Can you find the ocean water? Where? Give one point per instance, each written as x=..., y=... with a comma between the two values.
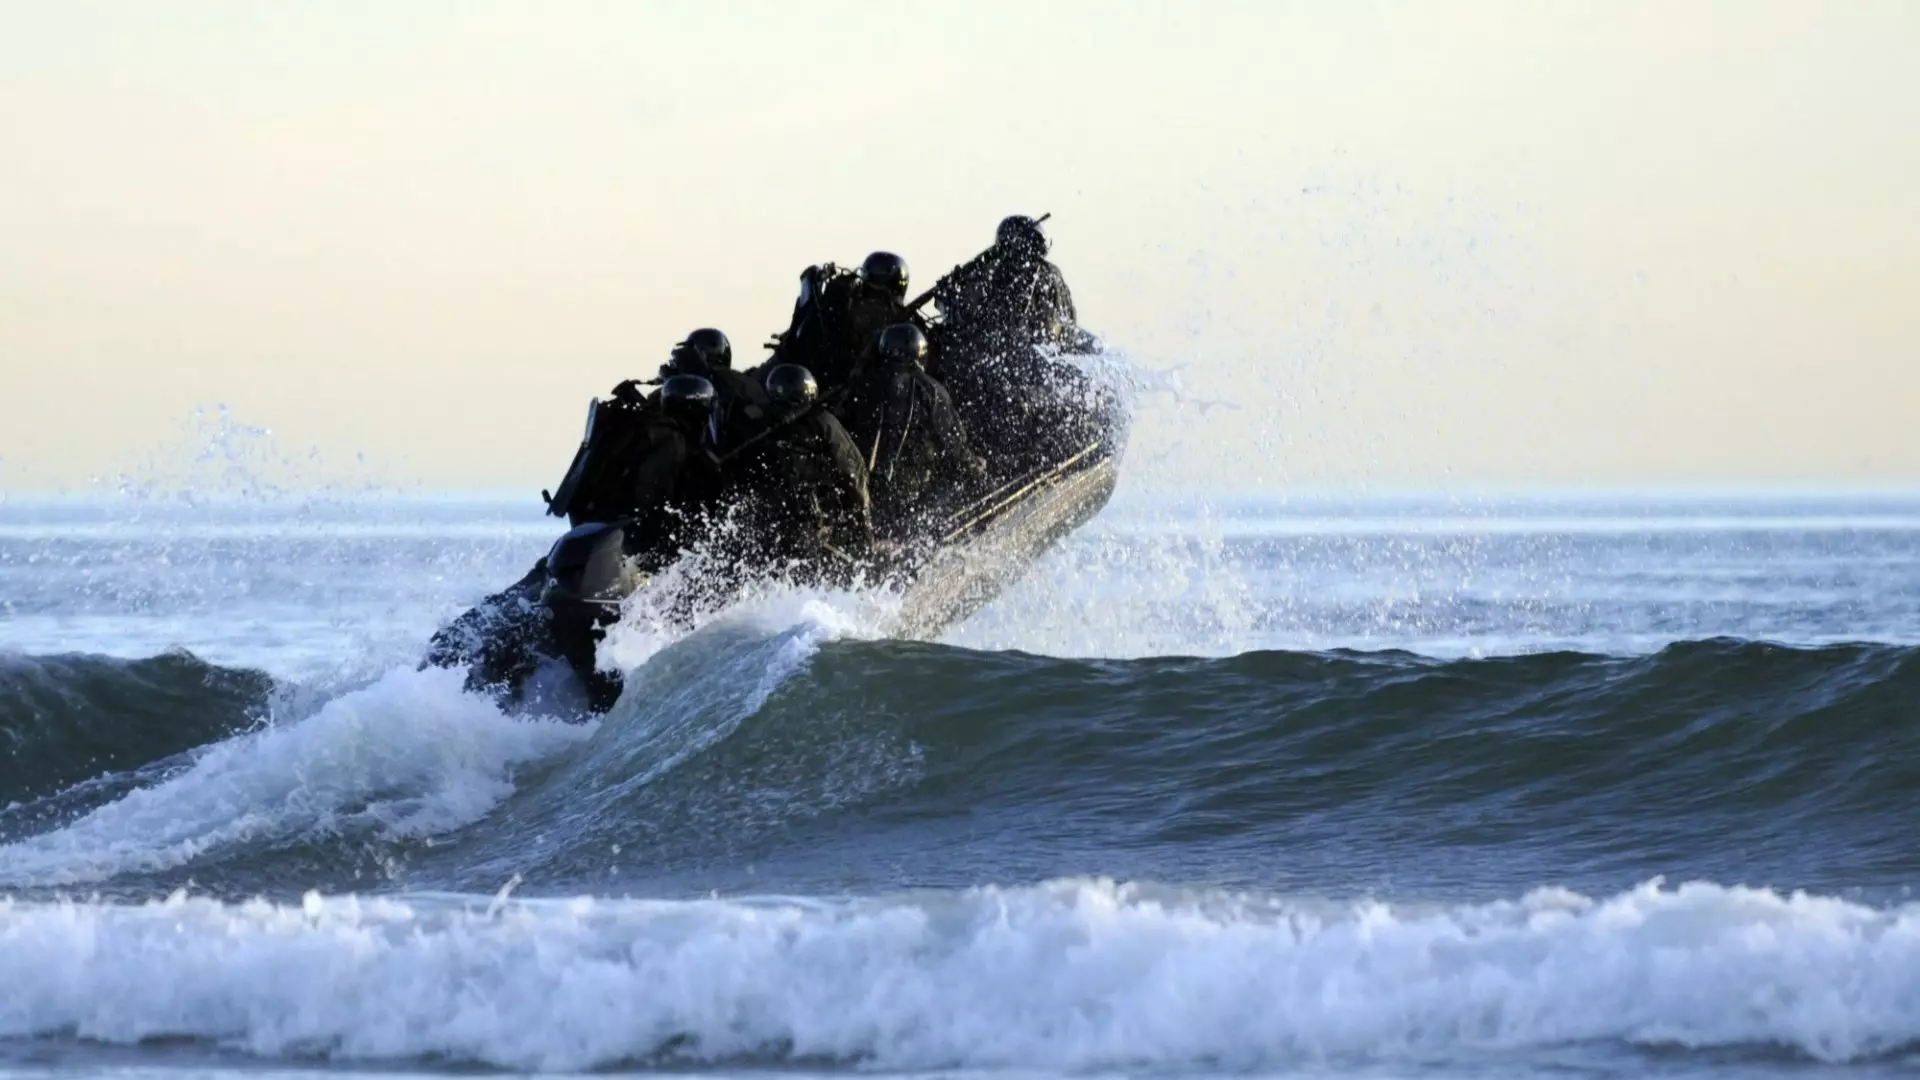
x=1229, y=785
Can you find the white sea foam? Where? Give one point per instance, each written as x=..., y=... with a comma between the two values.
x=410, y=755
x=686, y=692
x=1107, y=594
x=1074, y=974
x=808, y=616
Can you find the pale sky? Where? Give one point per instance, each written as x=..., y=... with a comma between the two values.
x=1438, y=245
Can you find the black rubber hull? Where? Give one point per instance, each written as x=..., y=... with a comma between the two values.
x=966, y=576
x=560, y=611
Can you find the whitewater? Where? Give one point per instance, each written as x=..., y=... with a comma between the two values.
x=1230, y=785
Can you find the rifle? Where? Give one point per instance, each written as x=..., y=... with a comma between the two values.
x=779, y=425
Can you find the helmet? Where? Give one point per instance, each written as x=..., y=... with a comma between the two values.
x=792, y=386
x=887, y=272
x=1022, y=234
x=687, y=397
x=903, y=343
x=704, y=350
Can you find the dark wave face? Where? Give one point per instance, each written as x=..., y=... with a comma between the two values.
x=742, y=757
x=888, y=763
x=64, y=719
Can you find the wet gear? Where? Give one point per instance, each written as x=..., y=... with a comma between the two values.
x=1007, y=319
x=740, y=401
x=688, y=397
x=790, y=386
x=903, y=343
x=708, y=349
x=915, y=447
x=802, y=486
x=837, y=320
x=885, y=273
x=1007, y=297
x=1022, y=235
x=649, y=462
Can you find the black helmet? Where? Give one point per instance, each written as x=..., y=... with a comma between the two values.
x=887, y=272
x=704, y=350
x=1022, y=234
x=903, y=343
x=792, y=386
x=687, y=397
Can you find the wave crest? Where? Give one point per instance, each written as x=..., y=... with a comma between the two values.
x=1072, y=975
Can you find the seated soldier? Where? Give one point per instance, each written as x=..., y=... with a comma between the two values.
x=919, y=464
x=799, y=485
x=839, y=316
x=739, y=401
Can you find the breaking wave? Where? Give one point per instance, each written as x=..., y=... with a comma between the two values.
x=64, y=719
x=1071, y=974
x=827, y=762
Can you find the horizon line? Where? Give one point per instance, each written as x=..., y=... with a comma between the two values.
x=1190, y=494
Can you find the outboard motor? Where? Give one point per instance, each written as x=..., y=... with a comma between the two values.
x=589, y=574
